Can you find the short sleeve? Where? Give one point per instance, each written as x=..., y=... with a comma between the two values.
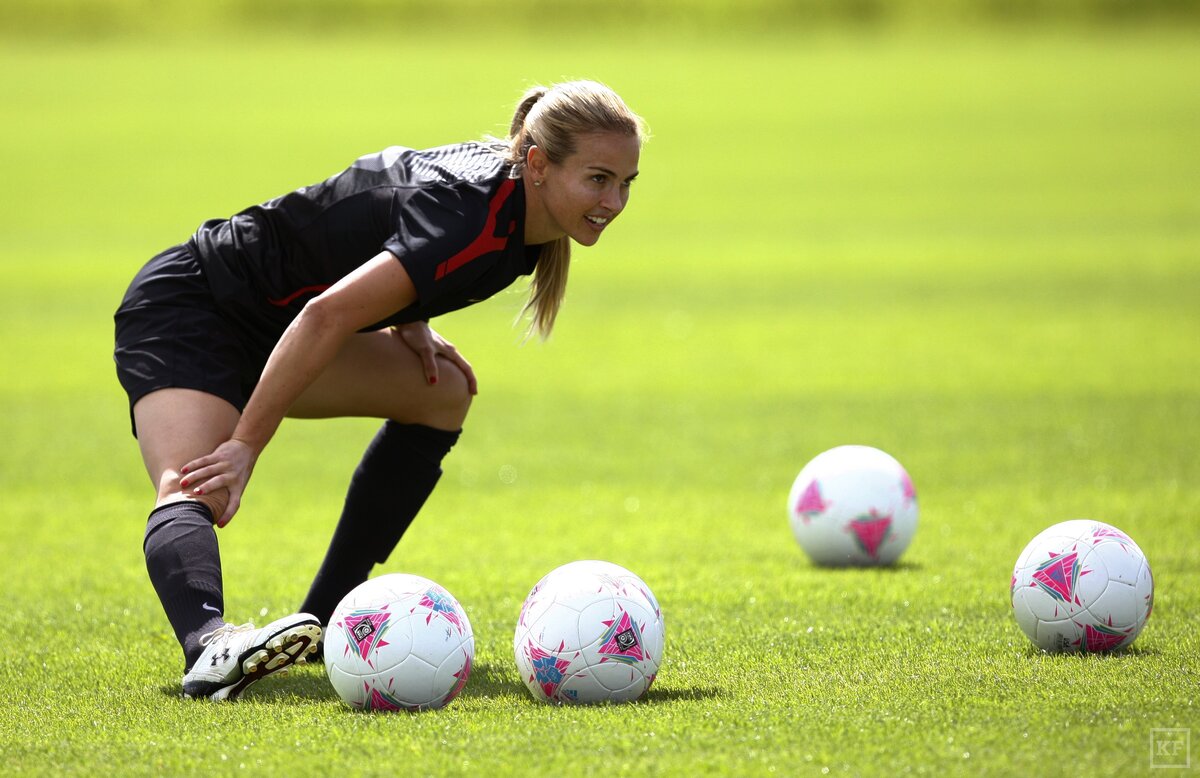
x=448, y=237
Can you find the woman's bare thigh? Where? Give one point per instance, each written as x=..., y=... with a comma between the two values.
x=176, y=426
x=377, y=375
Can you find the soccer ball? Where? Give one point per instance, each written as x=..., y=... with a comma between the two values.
x=589, y=632
x=853, y=505
x=398, y=642
x=1082, y=586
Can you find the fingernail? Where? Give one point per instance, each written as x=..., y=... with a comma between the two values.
x=432, y=379
x=183, y=483
x=184, y=471
x=198, y=491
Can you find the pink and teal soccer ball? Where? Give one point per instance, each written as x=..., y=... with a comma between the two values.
x=398, y=642
x=1082, y=586
x=589, y=632
x=853, y=505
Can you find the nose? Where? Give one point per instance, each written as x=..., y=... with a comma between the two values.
x=613, y=199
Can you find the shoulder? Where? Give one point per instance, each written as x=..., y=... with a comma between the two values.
x=471, y=162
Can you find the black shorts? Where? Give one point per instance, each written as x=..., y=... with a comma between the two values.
x=170, y=334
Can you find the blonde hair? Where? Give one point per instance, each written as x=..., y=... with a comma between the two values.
x=551, y=118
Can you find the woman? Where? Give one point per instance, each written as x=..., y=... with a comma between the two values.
x=315, y=305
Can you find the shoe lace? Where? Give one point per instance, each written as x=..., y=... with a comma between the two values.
x=224, y=632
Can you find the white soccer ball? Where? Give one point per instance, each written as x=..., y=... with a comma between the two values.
x=1082, y=586
x=398, y=642
x=853, y=505
x=589, y=632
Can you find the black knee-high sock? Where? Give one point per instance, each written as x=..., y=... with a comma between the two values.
x=395, y=477
x=184, y=563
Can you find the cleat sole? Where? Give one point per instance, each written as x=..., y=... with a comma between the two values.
x=290, y=646
x=280, y=653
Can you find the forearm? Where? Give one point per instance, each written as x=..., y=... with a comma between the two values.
x=308, y=345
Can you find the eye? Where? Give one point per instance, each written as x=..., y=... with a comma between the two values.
x=599, y=178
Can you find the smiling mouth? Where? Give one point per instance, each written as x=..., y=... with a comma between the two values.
x=599, y=221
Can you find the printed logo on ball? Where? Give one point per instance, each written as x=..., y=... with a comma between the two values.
x=363, y=630
x=621, y=642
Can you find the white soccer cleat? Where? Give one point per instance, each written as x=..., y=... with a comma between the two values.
x=236, y=656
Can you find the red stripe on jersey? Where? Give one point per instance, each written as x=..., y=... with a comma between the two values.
x=486, y=241
x=284, y=301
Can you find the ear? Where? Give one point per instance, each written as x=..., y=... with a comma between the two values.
x=535, y=162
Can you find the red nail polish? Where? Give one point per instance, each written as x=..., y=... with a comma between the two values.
x=183, y=483
x=433, y=379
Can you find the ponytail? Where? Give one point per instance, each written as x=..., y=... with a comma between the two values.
x=548, y=288
x=527, y=100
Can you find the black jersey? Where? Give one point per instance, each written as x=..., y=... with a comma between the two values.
x=452, y=215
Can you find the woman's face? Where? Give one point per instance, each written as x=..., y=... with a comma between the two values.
x=581, y=196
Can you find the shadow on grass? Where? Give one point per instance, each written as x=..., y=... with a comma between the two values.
x=897, y=567
x=488, y=679
x=687, y=693
x=1129, y=653
x=495, y=679
x=305, y=683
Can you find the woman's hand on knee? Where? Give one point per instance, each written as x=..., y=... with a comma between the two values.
x=228, y=467
x=428, y=345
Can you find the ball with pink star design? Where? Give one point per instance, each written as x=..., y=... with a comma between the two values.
x=589, y=632
x=1082, y=585
x=399, y=642
x=853, y=505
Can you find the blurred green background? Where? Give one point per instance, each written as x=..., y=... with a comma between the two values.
x=106, y=17
x=967, y=233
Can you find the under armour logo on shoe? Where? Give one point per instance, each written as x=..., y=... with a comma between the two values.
x=223, y=656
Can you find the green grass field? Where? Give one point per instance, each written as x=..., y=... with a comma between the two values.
x=979, y=252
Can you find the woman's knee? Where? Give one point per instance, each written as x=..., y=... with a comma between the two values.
x=168, y=492
x=450, y=399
